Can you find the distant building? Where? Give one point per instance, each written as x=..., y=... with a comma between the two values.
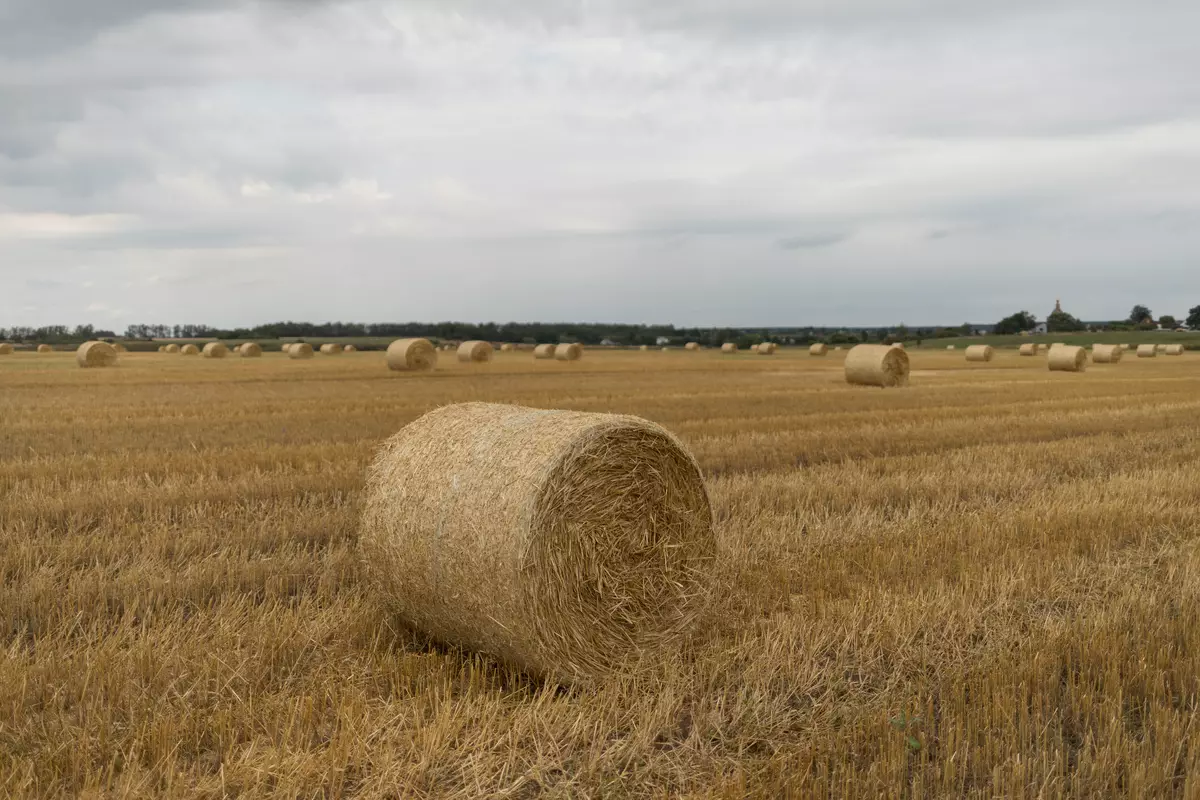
x=662, y=341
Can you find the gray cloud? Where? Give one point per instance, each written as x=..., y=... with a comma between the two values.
x=809, y=241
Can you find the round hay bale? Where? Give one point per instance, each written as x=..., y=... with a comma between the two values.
x=120, y=348
x=1173, y=350
x=214, y=350
x=1067, y=358
x=558, y=541
x=172, y=348
x=506, y=348
x=729, y=347
x=45, y=348
x=411, y=355
x=644, y=348
x=767, y=349
x=665, y=349
x=237, y=348
x=692, y=346
x=189, y=350
x=1041, y=348
x=568, y=352
x=300, y=351
x=330, y=349
x=162, y=348
x=543, y=351
x=951, y=347
x=1106, y=353
x=475, y=352
x=350, y=349
x=898, y=345
x=1160, y=348
x=1124, y=347
x=250, y=350
x=96, y=354
x=6, y=349
x=837, y=349
x=980, y=352
x=1029, y=350
x=877, y=365
x=1146, y=351
x=753, y=348
x=818, y=349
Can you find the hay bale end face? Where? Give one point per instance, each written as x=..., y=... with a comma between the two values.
x=543, y=351
x=411, y=355
x=96, y=354
x=1173, y=350
x=6, y=349
x=568, y=352
x=45, y=348
x=475, y=352
x=300, y=351
x=877, y=365
x=818, y=349
x=173, y=348
x=1106, y=353
x=215, y=350
x=980, y=352
x=250, y=350
x=729, y=347
x=189, y=350
x=560, y=542
x=1146, y=351
x=1028, y=350
x=1067, y=358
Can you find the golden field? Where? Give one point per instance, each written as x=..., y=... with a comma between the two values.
x=985, y=584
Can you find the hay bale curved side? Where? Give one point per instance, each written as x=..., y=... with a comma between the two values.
x=1028, y=350
x=692, y=346
x=876, y=365
x=1067, y=358
x=300, y=351
x=1146, y=351
x=568, y=352
x=1106, y=353
x=475, y=352
x=214, y=350
x=6, y=349
x=96, y=354
x=1160, y=348
x=980, y=352
x=754, y=348
x=543, y=351
x=818, y=349
x=506, y=348
x=350, y=348
x=45, y=348
x=1173, y=350
x=120, y=348
x=1041, y=348
x=330, y=349
x=189, y=350
x=729, y=347
x=411, y=355
x=172, y=348
x=561, y=542
x=767, y=349
x=250, y=350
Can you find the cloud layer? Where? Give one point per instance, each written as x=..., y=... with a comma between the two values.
x=762, y=162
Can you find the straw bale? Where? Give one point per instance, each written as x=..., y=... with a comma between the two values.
x=411, y=355
x=1067, y=358
x=561, y=542
x=729, y=347
x=1146, y=351
x=96, y=354
x=250, y=350
x=981, y=352
x=543, y=351
x=215, y=350
x=300, y=350
x=331, y=349
x=767, y=349
x=877, y=365
x=6, y=349
x=818, y=349
x=568, y=352
x=692, y=346
x=350, y=349
x=474, y=352
x=120, y=348
x=189, y=350
x=1106, y=353
x=753, y=348
x=1173, y=350
x=644, y=348
x=506, y=348
x=45, y=348
x=1029, y=349
x=172, y=348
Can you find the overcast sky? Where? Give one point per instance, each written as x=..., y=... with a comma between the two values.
x=705, y=162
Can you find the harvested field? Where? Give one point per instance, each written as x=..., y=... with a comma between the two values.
x=984, y=584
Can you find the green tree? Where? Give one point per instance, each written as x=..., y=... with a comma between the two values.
x=1061, y=321
x=1021, y=321
x=1168, y=322
x=1140, y=314
x=1193, y=318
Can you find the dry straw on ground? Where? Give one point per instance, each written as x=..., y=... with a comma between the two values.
x=729, y=347
x=189, y=350
x=692, y=346
x=411, y=355
x=250, y=350
x=1028, y=349
x=300, y=350
x=1067, y=358
x=96, y=354
x=568, y=352
x=215, y=350
x=877, y=365
x=1173, y=350
x=561, y=542
x=543, y=351
x=475, y=352
x=330, y=349
x=1146, y=351
x=980, y=352
x=1106, y=353
x=45, y=348
x=818, y=349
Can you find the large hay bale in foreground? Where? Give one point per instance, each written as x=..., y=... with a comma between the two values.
x=729, y=347
x=45, y=348
x=1028, y=350
x=980, y=352
x=300, y=351
x=543, y=351
x=1146, y=351
x=1067, y=358
x=475, y=352
x=214, y=350
x=561, y=542
x=96, y=354
x=1106, y=353
x=692, y=346
x=568, y=352
x=330, y=349
x=877, y=365
x=411, y=355
x=250, y=350
x=189, y=350
x=1173, y=350
x=818, y=349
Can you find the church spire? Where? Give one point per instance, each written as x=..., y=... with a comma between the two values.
x=1057, y=306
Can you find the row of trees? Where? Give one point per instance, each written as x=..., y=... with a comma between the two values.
x=1140, y=318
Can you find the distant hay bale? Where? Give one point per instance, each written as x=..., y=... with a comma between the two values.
x=543, y=351
x=1041, y=348
x=1028, y=350
x=1146, y=351
x=665, y=349
x=818, y=349
x=300, y=350
x=250, y=350
x=162, y=348
x=560, y=542
x=349, y=349
x=1067, y=358
x=767, y=349
x=506, y=348
x=877, y=365
x=692, y=346
x=729, y=347
x=6, y=349
x=981, y=352
x=837, y=349
x=330, y=349
x=753, y=348
x=214, y=350
x=237, y=348
x=644, y=348
x=411, y=355
x=1173, y=350
x=568, y=352
x=172, y=348
x=1106, y=353
x=96, y=354
x=951, y=347
x=475, y=352
x=189, y=350
x=45, y=348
